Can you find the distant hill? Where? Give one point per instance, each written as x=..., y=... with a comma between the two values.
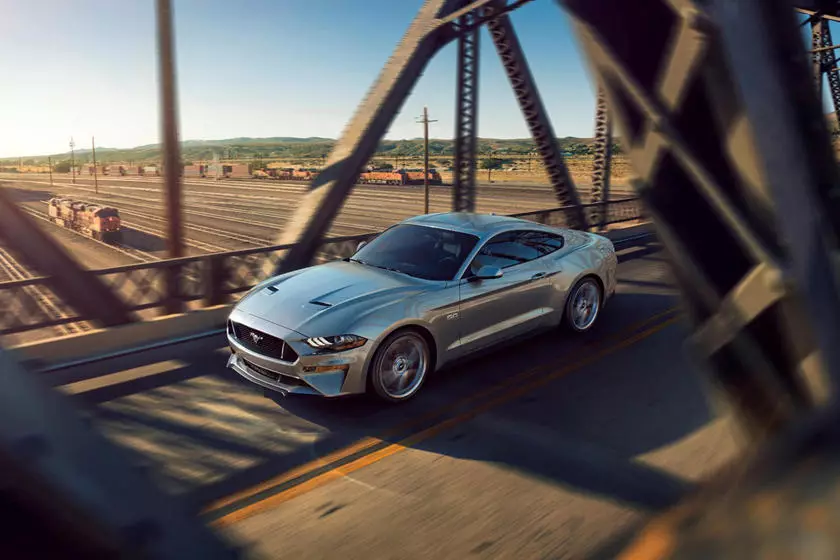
x=304, y=148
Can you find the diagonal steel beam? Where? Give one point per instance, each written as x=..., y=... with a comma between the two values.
x=466, y=117
x=697, y=152
x=602, y=160
x=84, y=292
x=317, y=210
x=817, y=57
x=829, y=66
x=525, y=90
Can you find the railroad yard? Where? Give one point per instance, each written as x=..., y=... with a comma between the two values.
x=236, y=214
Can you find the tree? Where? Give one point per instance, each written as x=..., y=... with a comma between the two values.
x=62, y=167
x=489, y=164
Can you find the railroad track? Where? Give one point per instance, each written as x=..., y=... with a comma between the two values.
x=44, y=299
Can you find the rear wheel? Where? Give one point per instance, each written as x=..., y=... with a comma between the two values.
x=584, y=305
x=400, y=366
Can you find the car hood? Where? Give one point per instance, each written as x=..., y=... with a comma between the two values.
x=333, y=293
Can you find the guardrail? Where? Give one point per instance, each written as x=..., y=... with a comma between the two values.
x=217, y=278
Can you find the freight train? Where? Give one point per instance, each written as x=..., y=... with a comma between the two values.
x=93, y=220
x=370, y=176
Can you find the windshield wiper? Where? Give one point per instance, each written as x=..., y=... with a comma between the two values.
x=391, y=269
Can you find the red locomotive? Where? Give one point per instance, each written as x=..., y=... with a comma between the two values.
x=93, y=220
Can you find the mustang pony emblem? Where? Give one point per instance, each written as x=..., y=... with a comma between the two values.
x=256, y=337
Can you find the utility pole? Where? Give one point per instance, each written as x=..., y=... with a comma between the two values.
x=425, y=120
x=73, y=159
x=49, y=166
x=95, y=179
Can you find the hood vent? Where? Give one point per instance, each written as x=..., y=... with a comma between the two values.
x=316, y=302
x=271, y=289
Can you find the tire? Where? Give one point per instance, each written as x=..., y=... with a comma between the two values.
x=395, y=354
x=585, y=294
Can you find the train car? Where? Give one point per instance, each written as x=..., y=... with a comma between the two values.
x=132, y=170
x=398, y=177
x=151, y=170
x=114, y=170
x=382, y=178
x=93, y=220
x=305, y=174
x=415, y=177
x=237, y=170
x=281, y=173
x=196, y=170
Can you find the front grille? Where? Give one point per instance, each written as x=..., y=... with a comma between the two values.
x=265, y=344
x=273, y=375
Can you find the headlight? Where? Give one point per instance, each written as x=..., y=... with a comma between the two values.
x=336, y=343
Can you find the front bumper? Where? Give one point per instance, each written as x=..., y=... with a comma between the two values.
x=329, y=375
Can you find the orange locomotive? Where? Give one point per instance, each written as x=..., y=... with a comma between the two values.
x=93, y=220
x=399, y=177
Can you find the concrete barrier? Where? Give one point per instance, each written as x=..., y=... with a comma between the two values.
x=65, y=351
x=92, y=346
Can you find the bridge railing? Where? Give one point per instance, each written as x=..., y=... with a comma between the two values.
x=213, y=278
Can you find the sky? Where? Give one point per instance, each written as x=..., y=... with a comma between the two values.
x=254, y=68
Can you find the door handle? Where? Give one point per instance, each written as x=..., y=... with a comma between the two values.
x=538, y=275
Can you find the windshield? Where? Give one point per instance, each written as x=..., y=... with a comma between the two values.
x=420, y=251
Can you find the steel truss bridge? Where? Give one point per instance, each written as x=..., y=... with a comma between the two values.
x=716, y=105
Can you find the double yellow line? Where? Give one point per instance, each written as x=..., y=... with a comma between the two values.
x=373, y=449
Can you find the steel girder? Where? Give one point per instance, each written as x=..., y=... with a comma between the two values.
x=466, y=116
x=525, y=90
x=817, y=57
x=429, y=31
x=84, y=292
x=692, y=142
x=765, y=71
x=171, y=150
x=829, y=66
x=602, y=160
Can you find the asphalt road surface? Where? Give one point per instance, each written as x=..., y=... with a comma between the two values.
x=552, y=447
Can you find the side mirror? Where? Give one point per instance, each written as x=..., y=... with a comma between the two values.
x=360, y=245
x=489, y=272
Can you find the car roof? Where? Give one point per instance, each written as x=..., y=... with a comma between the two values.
x=481, y=225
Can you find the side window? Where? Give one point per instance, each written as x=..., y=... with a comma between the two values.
x=515, y=247
x=541, y=241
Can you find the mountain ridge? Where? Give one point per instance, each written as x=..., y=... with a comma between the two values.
x=286, y=147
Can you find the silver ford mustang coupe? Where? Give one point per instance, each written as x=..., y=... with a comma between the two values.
x=424, y=292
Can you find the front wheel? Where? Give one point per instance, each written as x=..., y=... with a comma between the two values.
x=400, y=365
x=583, y=305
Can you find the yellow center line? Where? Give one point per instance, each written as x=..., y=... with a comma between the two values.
x=370, y=442
x=366, y=460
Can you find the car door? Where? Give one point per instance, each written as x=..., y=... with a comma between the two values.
x=494, y=310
